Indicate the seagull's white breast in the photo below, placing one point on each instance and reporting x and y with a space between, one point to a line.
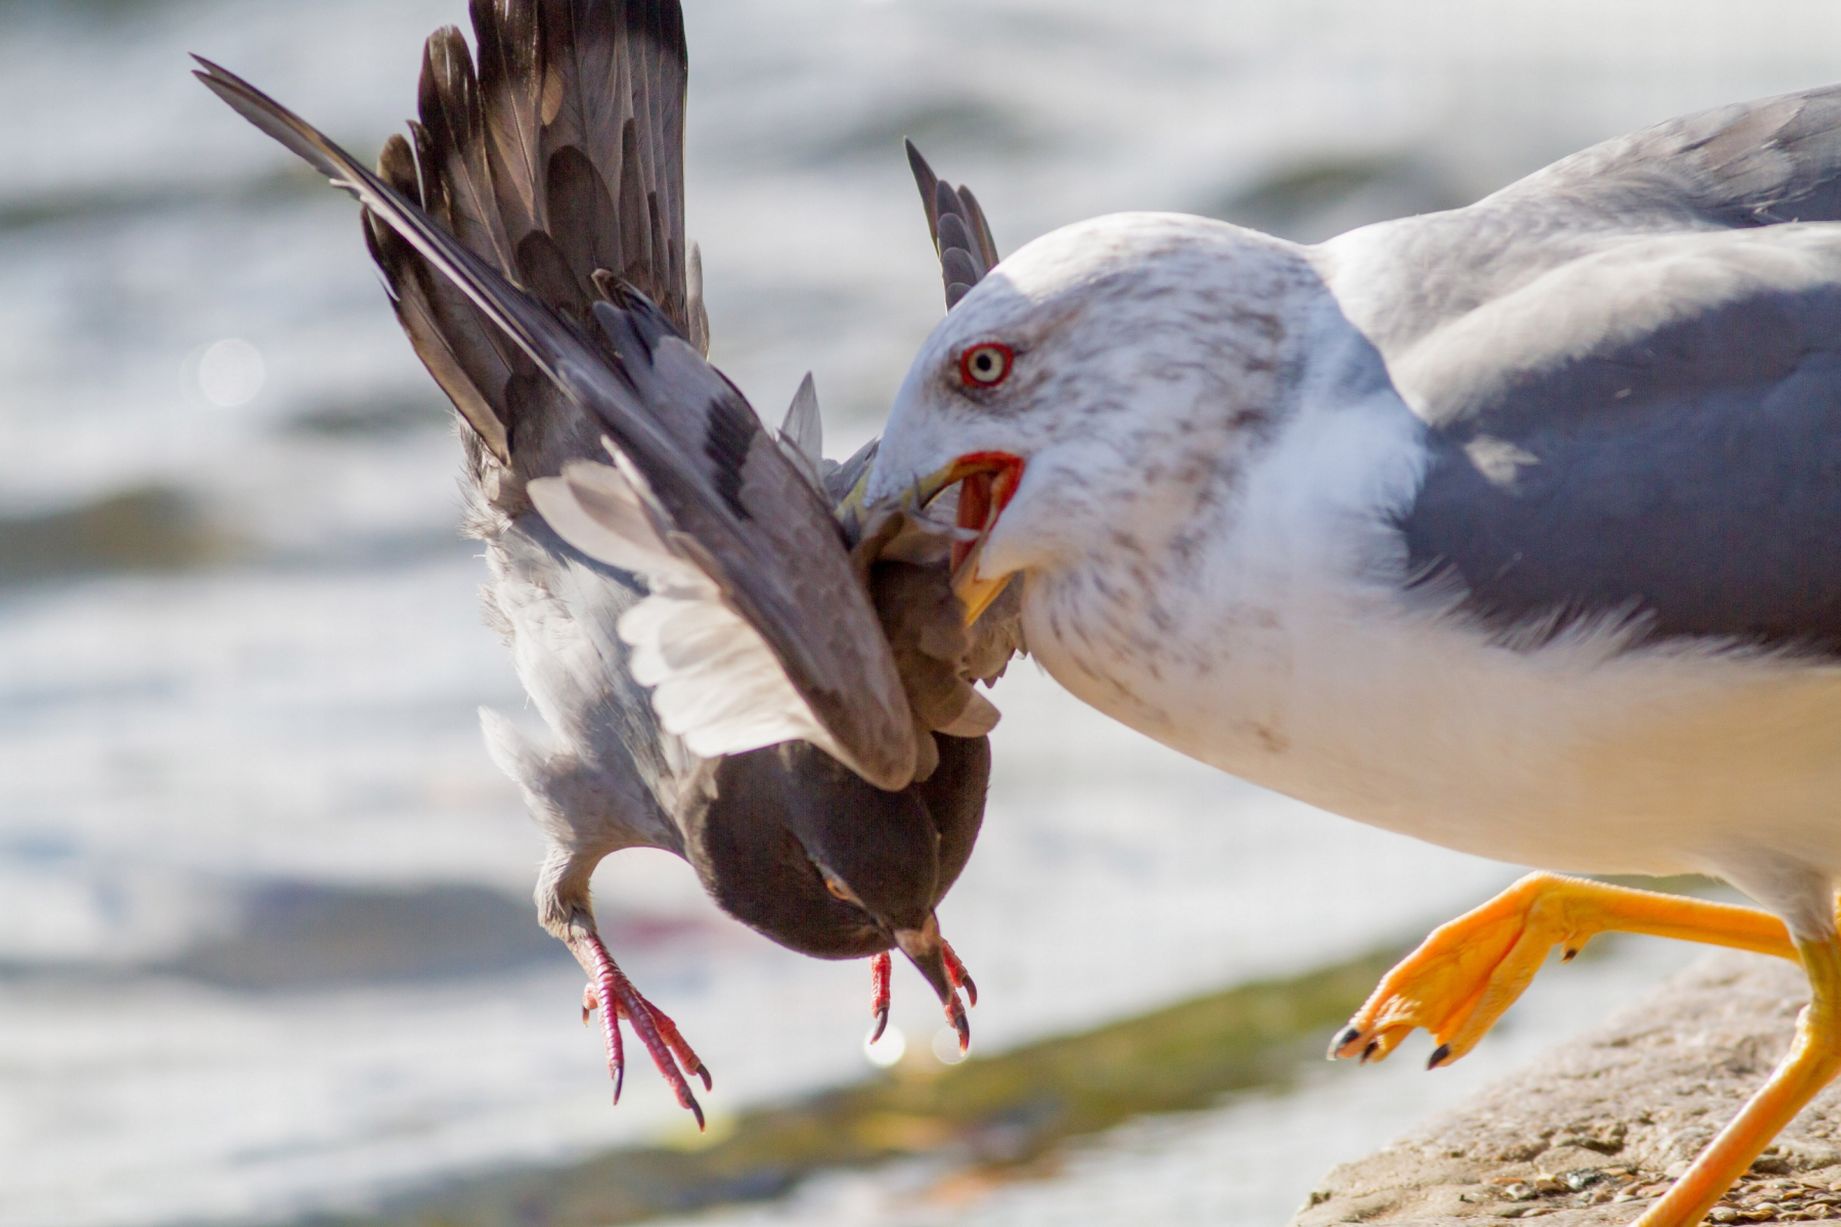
1282 645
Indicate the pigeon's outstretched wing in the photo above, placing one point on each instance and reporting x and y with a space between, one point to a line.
734 517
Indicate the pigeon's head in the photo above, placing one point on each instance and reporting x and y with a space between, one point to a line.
1099 386
799 848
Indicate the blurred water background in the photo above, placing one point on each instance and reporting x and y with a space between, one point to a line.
265 946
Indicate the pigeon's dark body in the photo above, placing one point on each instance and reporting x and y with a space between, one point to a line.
557 163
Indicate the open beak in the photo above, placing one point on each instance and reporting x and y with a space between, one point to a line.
987 482
930 955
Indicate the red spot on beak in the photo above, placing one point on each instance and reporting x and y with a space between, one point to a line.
990 482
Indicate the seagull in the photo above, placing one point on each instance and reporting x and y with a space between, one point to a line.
724 669
1514 528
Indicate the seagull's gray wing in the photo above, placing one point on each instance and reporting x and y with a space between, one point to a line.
1630 372
1739 166
696 467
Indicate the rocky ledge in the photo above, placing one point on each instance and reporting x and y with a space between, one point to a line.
1592 1133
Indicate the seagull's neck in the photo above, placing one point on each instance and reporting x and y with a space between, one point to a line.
1155 624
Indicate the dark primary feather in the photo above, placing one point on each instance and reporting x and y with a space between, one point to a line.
511 98
961 236
1635 415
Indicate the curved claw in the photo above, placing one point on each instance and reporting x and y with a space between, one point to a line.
687 1058
960 977
881 970
955 1014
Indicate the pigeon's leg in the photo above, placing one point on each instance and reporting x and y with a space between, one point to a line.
564 908
1468 972
614 994
881 970
1813 1062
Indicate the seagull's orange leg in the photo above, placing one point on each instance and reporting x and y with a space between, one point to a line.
1814 1060
1468 972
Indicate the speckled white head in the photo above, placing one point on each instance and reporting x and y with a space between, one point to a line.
1131 362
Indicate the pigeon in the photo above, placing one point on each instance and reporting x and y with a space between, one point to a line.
725 668
1515 528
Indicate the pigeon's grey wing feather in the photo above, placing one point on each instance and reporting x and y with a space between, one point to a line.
611 141
510 81
761 533
555 160
802 432
558 157
1650 432
544 338
470 360
961 235
727 499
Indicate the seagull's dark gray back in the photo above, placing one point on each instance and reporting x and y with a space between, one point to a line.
1630 375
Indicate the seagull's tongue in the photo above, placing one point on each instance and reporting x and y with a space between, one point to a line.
974 513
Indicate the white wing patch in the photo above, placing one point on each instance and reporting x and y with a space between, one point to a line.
714 680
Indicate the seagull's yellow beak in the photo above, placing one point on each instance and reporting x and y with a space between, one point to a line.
987 481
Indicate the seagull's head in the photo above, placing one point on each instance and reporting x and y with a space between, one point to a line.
1091 388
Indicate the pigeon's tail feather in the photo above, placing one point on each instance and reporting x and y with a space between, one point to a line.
553 155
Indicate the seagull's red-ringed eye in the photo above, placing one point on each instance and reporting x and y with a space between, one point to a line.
986 364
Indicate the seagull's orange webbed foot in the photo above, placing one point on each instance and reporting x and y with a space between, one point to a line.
1464 976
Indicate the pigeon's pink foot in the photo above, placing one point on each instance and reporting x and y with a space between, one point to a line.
614 995
881 969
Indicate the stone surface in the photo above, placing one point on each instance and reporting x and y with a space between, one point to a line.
1591 1133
